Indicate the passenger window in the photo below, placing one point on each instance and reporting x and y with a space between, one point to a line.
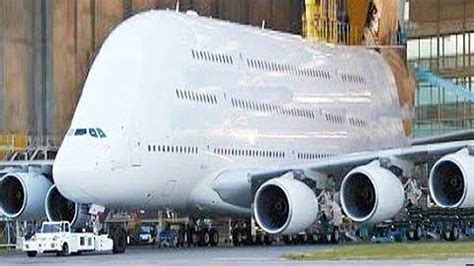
80 132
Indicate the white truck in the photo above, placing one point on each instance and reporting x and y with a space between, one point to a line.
56 237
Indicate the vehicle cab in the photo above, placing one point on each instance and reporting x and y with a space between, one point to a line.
56 237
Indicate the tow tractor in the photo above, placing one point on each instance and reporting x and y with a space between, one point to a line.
56 237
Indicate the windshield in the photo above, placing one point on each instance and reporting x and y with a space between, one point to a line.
145 229
51 228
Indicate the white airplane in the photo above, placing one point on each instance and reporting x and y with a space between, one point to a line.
208 117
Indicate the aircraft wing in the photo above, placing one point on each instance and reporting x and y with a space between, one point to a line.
237 186
416 154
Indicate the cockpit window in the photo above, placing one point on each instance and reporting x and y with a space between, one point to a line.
101 133
70 132
93 133
80 132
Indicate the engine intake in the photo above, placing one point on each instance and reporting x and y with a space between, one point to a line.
22 195
58 208
371 194
451 181
285 206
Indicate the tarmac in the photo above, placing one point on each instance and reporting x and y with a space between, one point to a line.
225 255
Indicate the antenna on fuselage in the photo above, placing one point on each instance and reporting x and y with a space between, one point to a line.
177 6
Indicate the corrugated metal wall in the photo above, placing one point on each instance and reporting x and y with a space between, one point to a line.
46 47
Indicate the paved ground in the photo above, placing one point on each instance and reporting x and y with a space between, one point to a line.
203 256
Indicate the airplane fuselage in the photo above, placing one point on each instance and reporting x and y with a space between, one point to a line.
182 98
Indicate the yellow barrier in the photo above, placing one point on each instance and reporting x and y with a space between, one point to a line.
12 142
320 22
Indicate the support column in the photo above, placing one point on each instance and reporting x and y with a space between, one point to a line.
65 94
17 64
2 69
84 41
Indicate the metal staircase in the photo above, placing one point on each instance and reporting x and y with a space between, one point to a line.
425 76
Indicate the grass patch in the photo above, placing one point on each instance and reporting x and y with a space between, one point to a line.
391 251
7 251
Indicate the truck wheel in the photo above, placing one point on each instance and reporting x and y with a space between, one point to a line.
64 251
119 237
336 235
214 237
31 254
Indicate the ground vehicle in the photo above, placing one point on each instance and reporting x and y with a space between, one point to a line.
56 237
144 234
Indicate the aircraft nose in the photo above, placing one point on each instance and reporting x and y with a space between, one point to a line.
74 168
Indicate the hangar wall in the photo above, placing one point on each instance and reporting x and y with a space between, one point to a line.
46 47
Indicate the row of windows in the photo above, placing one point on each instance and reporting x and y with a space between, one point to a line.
260 107
285 68
271 108
353 78
173 149
357 122
212 57
196 96
334 118
249 153
313 155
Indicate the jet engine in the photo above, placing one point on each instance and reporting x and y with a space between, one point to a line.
372 194
451 181
285 205
22 195
58 208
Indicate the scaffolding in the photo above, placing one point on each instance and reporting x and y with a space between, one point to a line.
446 56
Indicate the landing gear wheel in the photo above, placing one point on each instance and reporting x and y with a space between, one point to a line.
119 237
418 233
410 234
214 237
336 235
192 237
259 239
305 239
328 237
248 237
287 240
314 238
204 238
236 237
31 254
267 240
454 233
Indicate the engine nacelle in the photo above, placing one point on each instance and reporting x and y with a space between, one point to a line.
285 205
451 181
371 194
23 194
58 208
